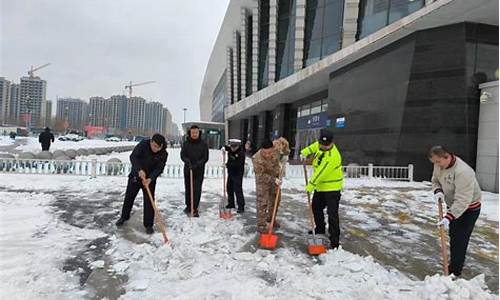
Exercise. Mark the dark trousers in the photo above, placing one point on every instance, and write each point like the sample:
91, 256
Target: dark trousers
45, 146
460, 231
133, 187
198, 175
234, 186
330, 200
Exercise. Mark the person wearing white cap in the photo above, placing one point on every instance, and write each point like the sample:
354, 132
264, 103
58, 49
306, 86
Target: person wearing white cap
235, 168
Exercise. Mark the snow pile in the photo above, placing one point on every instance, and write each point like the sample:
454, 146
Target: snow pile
6, 141
32, 144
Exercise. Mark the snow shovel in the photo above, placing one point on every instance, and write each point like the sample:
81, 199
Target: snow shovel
442, 235
313, 248
159, 222
269, 240
223, 212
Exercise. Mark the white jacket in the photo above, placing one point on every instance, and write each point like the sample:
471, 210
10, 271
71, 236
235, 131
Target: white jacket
460, 187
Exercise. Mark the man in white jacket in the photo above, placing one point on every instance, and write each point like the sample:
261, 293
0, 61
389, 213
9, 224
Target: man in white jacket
455, 182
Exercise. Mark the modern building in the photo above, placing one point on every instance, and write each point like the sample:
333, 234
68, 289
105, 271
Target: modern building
166, 123
117, 112
154, 118
136, 113
390, 78
48, 114
98, 111
33, 94
73, 113
15, 104
4, 100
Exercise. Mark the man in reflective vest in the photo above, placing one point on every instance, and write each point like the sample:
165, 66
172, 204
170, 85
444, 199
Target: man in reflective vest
326, 182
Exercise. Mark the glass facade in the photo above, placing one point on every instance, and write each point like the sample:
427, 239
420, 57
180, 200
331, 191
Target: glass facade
285, 50
376, 14
263, 76
428, 95
219, 100
323, 29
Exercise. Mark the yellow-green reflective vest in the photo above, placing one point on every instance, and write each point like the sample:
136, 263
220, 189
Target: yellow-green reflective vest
327, 175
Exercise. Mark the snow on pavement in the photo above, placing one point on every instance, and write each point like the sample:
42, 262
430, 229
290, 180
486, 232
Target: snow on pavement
208, 258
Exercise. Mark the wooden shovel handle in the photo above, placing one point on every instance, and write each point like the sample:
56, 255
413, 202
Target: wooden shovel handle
157, 214
191, 191
278, 193
442, 235
311, 216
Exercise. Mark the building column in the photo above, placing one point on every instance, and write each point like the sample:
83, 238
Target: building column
255, 44
229, 74
350, 24
243, 52
273, 37
236, 67
300, 20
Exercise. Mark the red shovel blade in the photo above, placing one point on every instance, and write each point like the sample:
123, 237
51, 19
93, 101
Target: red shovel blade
316, 249
226, 215
268, 241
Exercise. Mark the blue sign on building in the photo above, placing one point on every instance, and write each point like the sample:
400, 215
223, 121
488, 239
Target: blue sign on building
340, 122
319, 120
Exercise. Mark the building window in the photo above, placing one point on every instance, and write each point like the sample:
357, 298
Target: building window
376, 14
263, 75
285, 51
323, 29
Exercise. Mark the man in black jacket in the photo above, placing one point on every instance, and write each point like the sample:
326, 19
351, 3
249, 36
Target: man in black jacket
45, 138
194, 154
235, 168
148, 161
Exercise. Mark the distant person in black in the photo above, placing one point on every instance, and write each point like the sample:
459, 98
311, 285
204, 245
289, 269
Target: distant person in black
45, 139
194, 154
235, 168
148, 161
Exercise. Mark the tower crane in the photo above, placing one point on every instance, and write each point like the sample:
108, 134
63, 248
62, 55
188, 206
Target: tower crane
32, 70
130, 85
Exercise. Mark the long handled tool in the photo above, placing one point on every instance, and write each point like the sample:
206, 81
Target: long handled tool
442, 235
313, 248
191, 191
159, 222
223, 212
269, 240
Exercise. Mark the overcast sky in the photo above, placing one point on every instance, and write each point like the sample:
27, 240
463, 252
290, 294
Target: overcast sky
95, 47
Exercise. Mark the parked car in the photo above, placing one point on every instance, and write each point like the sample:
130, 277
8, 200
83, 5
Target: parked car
71, 137
112, 139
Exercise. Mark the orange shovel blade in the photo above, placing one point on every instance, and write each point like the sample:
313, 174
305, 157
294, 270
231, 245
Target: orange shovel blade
268, 241
316, 249
226, 215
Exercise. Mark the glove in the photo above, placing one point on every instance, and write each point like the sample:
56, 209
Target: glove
439, 196
277, 181
445, 222
223, 149
310, 188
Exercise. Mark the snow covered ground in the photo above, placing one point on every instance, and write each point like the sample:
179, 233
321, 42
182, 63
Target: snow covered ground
32, 144
58, 241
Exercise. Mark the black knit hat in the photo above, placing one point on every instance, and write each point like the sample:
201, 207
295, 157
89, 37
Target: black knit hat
267, 144
325, 137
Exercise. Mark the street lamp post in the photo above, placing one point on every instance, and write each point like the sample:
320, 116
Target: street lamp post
184, 109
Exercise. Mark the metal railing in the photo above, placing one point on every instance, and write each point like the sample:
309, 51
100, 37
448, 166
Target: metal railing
370, 171
96, 168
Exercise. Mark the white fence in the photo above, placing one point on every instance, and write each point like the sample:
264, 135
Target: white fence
95, 168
